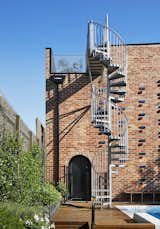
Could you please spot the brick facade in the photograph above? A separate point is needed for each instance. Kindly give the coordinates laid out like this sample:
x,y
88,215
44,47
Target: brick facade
x,y
77,136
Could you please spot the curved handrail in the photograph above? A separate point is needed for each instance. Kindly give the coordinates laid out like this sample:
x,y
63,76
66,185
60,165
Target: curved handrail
x,y
104,40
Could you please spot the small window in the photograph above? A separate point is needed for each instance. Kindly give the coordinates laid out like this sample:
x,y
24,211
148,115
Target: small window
x,y
142,127
142,166
142,88
142,153
142,140
142,114
140,144
141,101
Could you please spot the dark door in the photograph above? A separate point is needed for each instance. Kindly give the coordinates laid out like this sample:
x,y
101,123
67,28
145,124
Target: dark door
x,y
80,178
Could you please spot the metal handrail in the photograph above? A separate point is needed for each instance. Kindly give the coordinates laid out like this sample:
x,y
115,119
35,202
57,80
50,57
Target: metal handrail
x,y
103,39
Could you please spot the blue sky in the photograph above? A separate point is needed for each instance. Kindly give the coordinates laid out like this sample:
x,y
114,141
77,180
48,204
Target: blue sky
x,y
27,27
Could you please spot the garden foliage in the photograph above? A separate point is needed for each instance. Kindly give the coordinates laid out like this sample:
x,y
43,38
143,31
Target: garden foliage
x,y
23,191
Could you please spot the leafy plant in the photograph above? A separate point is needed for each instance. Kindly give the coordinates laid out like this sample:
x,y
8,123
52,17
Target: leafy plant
x,y
17,216
22,175
50,195
24,195
10,149
61,187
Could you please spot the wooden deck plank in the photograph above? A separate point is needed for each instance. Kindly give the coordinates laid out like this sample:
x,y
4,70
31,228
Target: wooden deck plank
x,y
104,218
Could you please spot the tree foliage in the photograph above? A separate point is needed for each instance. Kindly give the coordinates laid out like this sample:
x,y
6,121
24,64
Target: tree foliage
x,y
22,187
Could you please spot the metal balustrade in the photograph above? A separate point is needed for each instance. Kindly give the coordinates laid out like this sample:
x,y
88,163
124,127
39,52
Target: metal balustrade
x,y
100,187
119,148
107,44
107,50
99,108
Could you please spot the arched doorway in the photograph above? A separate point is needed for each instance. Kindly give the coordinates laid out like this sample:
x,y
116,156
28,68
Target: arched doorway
x,y
79,178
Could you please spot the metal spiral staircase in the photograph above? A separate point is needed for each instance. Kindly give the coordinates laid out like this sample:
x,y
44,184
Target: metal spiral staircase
x,y
107,58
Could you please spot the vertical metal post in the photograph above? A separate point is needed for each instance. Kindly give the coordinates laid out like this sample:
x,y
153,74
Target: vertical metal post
x,y
57,137
110,185
109,176
91,37
93,215
107,36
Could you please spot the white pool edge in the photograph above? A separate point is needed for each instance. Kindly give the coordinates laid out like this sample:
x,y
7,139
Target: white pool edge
x,y
147,218
140,217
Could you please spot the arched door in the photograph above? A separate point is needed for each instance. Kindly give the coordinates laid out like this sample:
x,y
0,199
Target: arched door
x,y
80,178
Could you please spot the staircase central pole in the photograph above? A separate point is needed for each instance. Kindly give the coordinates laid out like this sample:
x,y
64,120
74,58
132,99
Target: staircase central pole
x,y
109,174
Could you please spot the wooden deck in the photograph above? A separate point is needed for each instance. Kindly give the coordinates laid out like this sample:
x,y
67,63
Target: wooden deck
x,y
78,215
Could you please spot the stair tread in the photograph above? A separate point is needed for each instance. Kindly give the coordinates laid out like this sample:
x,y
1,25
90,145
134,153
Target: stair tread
x,y
112,68
118,152
103,197
118,92
117,100
118,84
101,120
118,145
101,190
114,138
116,75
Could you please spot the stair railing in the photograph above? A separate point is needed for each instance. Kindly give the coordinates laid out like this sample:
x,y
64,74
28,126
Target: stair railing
x,y
106,41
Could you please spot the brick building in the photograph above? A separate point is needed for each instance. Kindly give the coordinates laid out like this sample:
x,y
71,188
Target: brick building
x,y
71,138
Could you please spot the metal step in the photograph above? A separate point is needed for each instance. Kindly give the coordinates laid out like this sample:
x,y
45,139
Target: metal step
x,y
100,115
119,159
103,197
118,92
97,125
118,146
102,112
115,159
100,57
123,160
118,84
118,152
114,138
112,68
105,131
116,75
101,126
117,100
101,120
101,190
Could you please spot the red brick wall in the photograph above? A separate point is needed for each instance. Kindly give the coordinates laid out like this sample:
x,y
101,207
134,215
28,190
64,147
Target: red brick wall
x,y
143,71
79,137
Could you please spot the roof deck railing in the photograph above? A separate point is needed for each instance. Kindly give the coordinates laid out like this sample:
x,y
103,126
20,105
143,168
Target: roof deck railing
x,y
68,64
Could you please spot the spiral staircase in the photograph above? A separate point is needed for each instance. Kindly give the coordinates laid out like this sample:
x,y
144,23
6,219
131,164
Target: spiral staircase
x,y
107,58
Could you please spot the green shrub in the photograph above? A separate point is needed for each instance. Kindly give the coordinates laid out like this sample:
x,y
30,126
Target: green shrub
x,y
61,187
50,196
16,216
22,183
